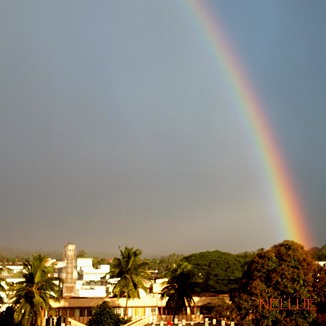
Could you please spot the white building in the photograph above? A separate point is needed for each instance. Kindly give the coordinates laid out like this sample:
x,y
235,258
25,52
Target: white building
x,y
91,282
80,278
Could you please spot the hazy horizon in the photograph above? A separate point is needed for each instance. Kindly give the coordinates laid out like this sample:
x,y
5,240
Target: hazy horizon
x,y
59,253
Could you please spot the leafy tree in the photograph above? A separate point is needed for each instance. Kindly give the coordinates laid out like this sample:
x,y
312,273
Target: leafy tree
x,y
81,253
219,271
133,274
284,272
322,254
220,309
314,252
318,254
179,289
31,297
165,264
103,315
99,261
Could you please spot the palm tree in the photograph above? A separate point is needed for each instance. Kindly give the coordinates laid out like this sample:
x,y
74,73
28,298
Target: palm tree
x,y
133,274
2,289
31,297
178,289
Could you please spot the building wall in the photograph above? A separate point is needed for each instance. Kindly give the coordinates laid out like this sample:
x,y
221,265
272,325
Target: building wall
x,y
151,307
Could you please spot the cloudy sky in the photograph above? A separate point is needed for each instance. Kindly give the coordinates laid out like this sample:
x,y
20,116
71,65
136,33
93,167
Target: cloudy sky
x,y
118,127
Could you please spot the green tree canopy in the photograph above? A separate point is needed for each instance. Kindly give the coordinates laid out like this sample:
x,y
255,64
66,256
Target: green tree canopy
x,y
318,253
322,254
284,272
103,315
220,308
99,261
31,297
163,265
218,271
81,253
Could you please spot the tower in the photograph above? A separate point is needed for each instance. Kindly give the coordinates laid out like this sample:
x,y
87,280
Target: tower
x,y
70,274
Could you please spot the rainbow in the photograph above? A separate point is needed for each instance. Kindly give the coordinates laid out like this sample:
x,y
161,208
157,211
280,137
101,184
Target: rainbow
x,y
289,211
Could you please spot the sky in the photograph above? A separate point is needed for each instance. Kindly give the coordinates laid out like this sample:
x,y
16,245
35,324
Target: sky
x,y
118,126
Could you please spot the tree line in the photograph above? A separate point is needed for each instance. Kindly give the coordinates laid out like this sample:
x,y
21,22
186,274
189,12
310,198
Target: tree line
x,y
282,285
